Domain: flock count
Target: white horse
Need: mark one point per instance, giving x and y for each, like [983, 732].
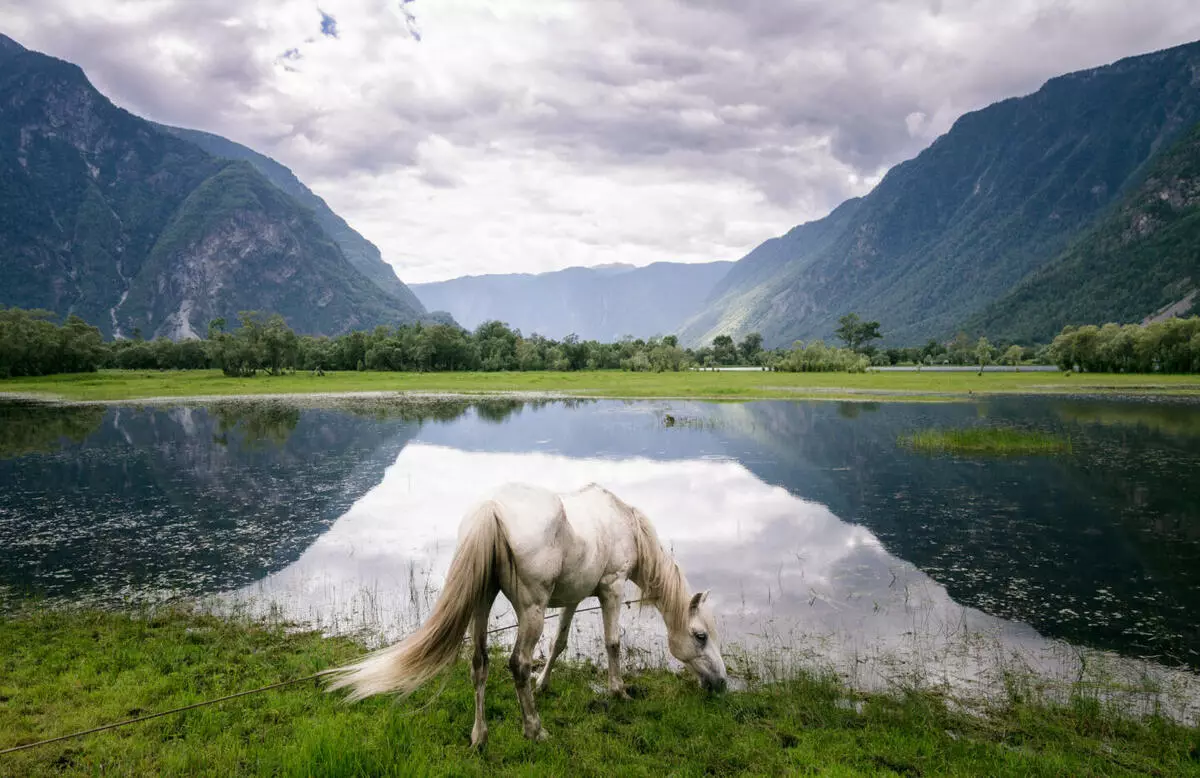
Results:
[544, 549]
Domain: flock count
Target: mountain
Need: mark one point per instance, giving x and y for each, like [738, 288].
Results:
[361, 253]
[106, 216]
[947, 233]
[602, 303]
[1144, 257]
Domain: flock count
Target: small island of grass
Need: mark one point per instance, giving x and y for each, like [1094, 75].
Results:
[986, 441]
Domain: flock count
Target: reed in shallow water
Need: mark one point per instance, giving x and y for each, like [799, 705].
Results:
[992, 441]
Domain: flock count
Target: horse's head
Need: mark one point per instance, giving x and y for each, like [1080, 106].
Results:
[697, 647]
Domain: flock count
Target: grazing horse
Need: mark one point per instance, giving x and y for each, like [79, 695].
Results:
[544, 549]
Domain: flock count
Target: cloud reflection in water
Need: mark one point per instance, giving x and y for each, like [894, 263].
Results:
[791, 582]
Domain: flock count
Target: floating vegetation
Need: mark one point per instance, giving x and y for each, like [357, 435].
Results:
[988, 441]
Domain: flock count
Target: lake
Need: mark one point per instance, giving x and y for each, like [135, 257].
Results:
[826, 543]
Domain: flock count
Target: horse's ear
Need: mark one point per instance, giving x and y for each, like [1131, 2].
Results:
[697, 599]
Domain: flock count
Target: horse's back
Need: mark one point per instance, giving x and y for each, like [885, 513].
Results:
[532, 517]
[569, 542]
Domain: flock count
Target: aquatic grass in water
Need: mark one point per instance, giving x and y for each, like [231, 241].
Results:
[991, 441]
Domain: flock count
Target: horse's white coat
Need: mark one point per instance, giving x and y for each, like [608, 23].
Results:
[543, 549]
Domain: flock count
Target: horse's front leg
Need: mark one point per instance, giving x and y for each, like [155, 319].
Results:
[530, 619]
[610, 606]
[560, 643]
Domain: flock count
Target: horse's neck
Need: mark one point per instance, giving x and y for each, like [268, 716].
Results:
[659, 577]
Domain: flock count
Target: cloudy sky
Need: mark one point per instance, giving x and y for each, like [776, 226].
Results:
[465, 136]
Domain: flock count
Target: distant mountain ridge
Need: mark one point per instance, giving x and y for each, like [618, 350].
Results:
[951, 231]
[602, 303]
[104, 215]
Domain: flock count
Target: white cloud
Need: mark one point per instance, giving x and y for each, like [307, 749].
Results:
[536, 135]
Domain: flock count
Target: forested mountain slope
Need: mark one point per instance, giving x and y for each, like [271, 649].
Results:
[945, 234]
[1142, 258]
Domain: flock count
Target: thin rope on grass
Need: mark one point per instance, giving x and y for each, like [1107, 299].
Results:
[126, 722]
[268, 687]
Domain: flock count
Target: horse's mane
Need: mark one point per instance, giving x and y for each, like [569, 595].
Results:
[657, 574]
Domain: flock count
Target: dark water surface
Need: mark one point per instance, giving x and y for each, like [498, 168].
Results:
[812, 526]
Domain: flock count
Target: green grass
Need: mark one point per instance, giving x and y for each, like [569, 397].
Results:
[111, 385]
[62, 671]
[990, 441]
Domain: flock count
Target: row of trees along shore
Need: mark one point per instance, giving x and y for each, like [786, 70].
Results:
[31, 343]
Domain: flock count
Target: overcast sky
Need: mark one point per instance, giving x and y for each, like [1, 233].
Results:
[469, 137]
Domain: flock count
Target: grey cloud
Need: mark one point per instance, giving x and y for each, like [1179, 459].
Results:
[799, 100]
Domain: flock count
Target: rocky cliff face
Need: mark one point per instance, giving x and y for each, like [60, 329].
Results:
[106, 216]
[361, 253]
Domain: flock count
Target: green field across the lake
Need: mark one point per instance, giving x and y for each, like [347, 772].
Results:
[63, 671]
[116, 385]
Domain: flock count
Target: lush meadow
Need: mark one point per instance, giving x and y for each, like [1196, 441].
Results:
[110, 385]
[63, 671]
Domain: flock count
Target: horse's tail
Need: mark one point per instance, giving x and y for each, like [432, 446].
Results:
[479, 560]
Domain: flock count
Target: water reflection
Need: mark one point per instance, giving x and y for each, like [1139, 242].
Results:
[29, 428]
[793, 584]
[820, 536]
[183, 500]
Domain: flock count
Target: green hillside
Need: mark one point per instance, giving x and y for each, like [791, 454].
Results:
[1141, 258]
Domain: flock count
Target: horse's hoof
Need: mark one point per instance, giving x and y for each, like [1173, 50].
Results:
[635, 692]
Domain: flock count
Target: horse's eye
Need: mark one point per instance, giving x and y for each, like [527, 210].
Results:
[701, 637]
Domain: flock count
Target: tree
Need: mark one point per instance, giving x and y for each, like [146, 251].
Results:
[751, 347]
[1013, 356]
[279, 345]
[724, 351]
[856, 333]
[983, 353]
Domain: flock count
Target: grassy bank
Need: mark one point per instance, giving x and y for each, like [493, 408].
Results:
[66, 671]
[110, 385]
[986, 441]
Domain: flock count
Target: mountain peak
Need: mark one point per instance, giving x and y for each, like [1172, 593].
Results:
[8, 46]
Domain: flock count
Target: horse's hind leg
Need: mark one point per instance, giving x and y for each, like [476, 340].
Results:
[479, 669]
[560, 643]
[530, 619]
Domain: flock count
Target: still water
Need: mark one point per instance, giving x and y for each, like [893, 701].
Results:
[824, 541]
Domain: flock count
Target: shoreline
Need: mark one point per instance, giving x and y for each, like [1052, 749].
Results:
[784, 394]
